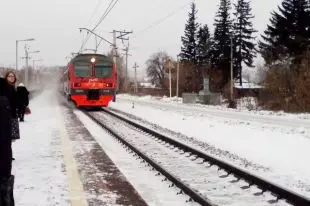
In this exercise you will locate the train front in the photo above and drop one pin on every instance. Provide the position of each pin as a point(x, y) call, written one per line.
point(94, 80)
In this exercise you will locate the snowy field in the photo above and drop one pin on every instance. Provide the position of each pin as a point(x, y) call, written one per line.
point(278, 142)
point(246, 106)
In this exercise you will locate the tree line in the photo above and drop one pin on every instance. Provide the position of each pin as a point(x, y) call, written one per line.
point(287, 37)
point(284, 46)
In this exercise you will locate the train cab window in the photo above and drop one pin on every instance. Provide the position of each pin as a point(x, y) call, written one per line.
point(82, 70)
point(103, 70)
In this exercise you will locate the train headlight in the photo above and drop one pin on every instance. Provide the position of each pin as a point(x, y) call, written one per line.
point(93, 60)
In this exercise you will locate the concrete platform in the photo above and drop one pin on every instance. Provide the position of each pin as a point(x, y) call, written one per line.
point(102, 182)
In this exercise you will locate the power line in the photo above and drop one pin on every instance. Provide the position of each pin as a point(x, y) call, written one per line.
point(107, 11)
point(104, 15)
point(95, 11)
point(88, 35)
point(159, 21)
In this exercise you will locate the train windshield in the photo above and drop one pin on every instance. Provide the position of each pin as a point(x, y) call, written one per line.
point(103, 70)
point(82, 70)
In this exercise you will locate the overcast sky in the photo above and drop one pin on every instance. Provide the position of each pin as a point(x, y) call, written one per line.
point(54, 24)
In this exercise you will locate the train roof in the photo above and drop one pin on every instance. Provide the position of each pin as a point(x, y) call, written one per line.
point(87, 58)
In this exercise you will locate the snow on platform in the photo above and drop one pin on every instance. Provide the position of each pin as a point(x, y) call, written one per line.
point(102, 181)
point(40, 177)
point(278, 143)
point(59, 163)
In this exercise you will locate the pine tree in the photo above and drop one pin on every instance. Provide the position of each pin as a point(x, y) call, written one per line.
point(308, 29)
point(243, 37)
point(189, 47)
point(221, 41)
point(288, 34)
point(203, 46)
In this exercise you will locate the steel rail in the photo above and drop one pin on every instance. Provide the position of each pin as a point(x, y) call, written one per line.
point(187, 190)
point(277, 190)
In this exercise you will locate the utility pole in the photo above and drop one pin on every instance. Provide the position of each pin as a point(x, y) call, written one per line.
point(170, 79)
point(178, 68)
point(114, 60)
point(126, 50)
point(114, 46)
point(136, 83)
point(121, 36)
point(231, 70)
point(169, 65)
point(26, 69)
point(16, 63)
point(27, 65)
point(126, 63)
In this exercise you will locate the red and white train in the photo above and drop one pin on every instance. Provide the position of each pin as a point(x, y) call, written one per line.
point(90, 80)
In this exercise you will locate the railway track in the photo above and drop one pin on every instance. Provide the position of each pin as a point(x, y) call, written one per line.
point(195, 183)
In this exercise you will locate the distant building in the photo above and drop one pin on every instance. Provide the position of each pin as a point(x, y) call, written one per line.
point(247, 85)
point(247, 89)
point(146, 85)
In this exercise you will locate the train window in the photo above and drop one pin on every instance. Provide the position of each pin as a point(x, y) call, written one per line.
point(82, 70)
point(103, 70)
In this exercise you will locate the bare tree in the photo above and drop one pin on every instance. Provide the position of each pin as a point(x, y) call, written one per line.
point(156, 68)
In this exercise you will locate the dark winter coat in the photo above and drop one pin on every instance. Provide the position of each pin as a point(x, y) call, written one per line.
point(9, 91)
point(22, 96)
point(5, 130)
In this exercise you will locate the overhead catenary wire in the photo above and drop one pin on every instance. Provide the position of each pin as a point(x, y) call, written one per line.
point(159, 21)
point(106, 12)
point(98, 5)
point(103, 16)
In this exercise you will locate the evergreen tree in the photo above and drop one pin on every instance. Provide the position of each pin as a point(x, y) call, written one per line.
point(308, 29)
point(288, 34)
point(243, 37)
point(221, 41)
point(189, 47)
point(203, 46)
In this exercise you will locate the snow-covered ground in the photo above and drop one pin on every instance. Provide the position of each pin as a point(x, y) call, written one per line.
point(194, 174)
point(40, 177)
point(151, 187)
point(279, 143)
point(45, 172)
point(246, 106)
point(269, 140)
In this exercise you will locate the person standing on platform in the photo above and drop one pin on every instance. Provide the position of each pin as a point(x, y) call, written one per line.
point(22, 100)
point(6, 178)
